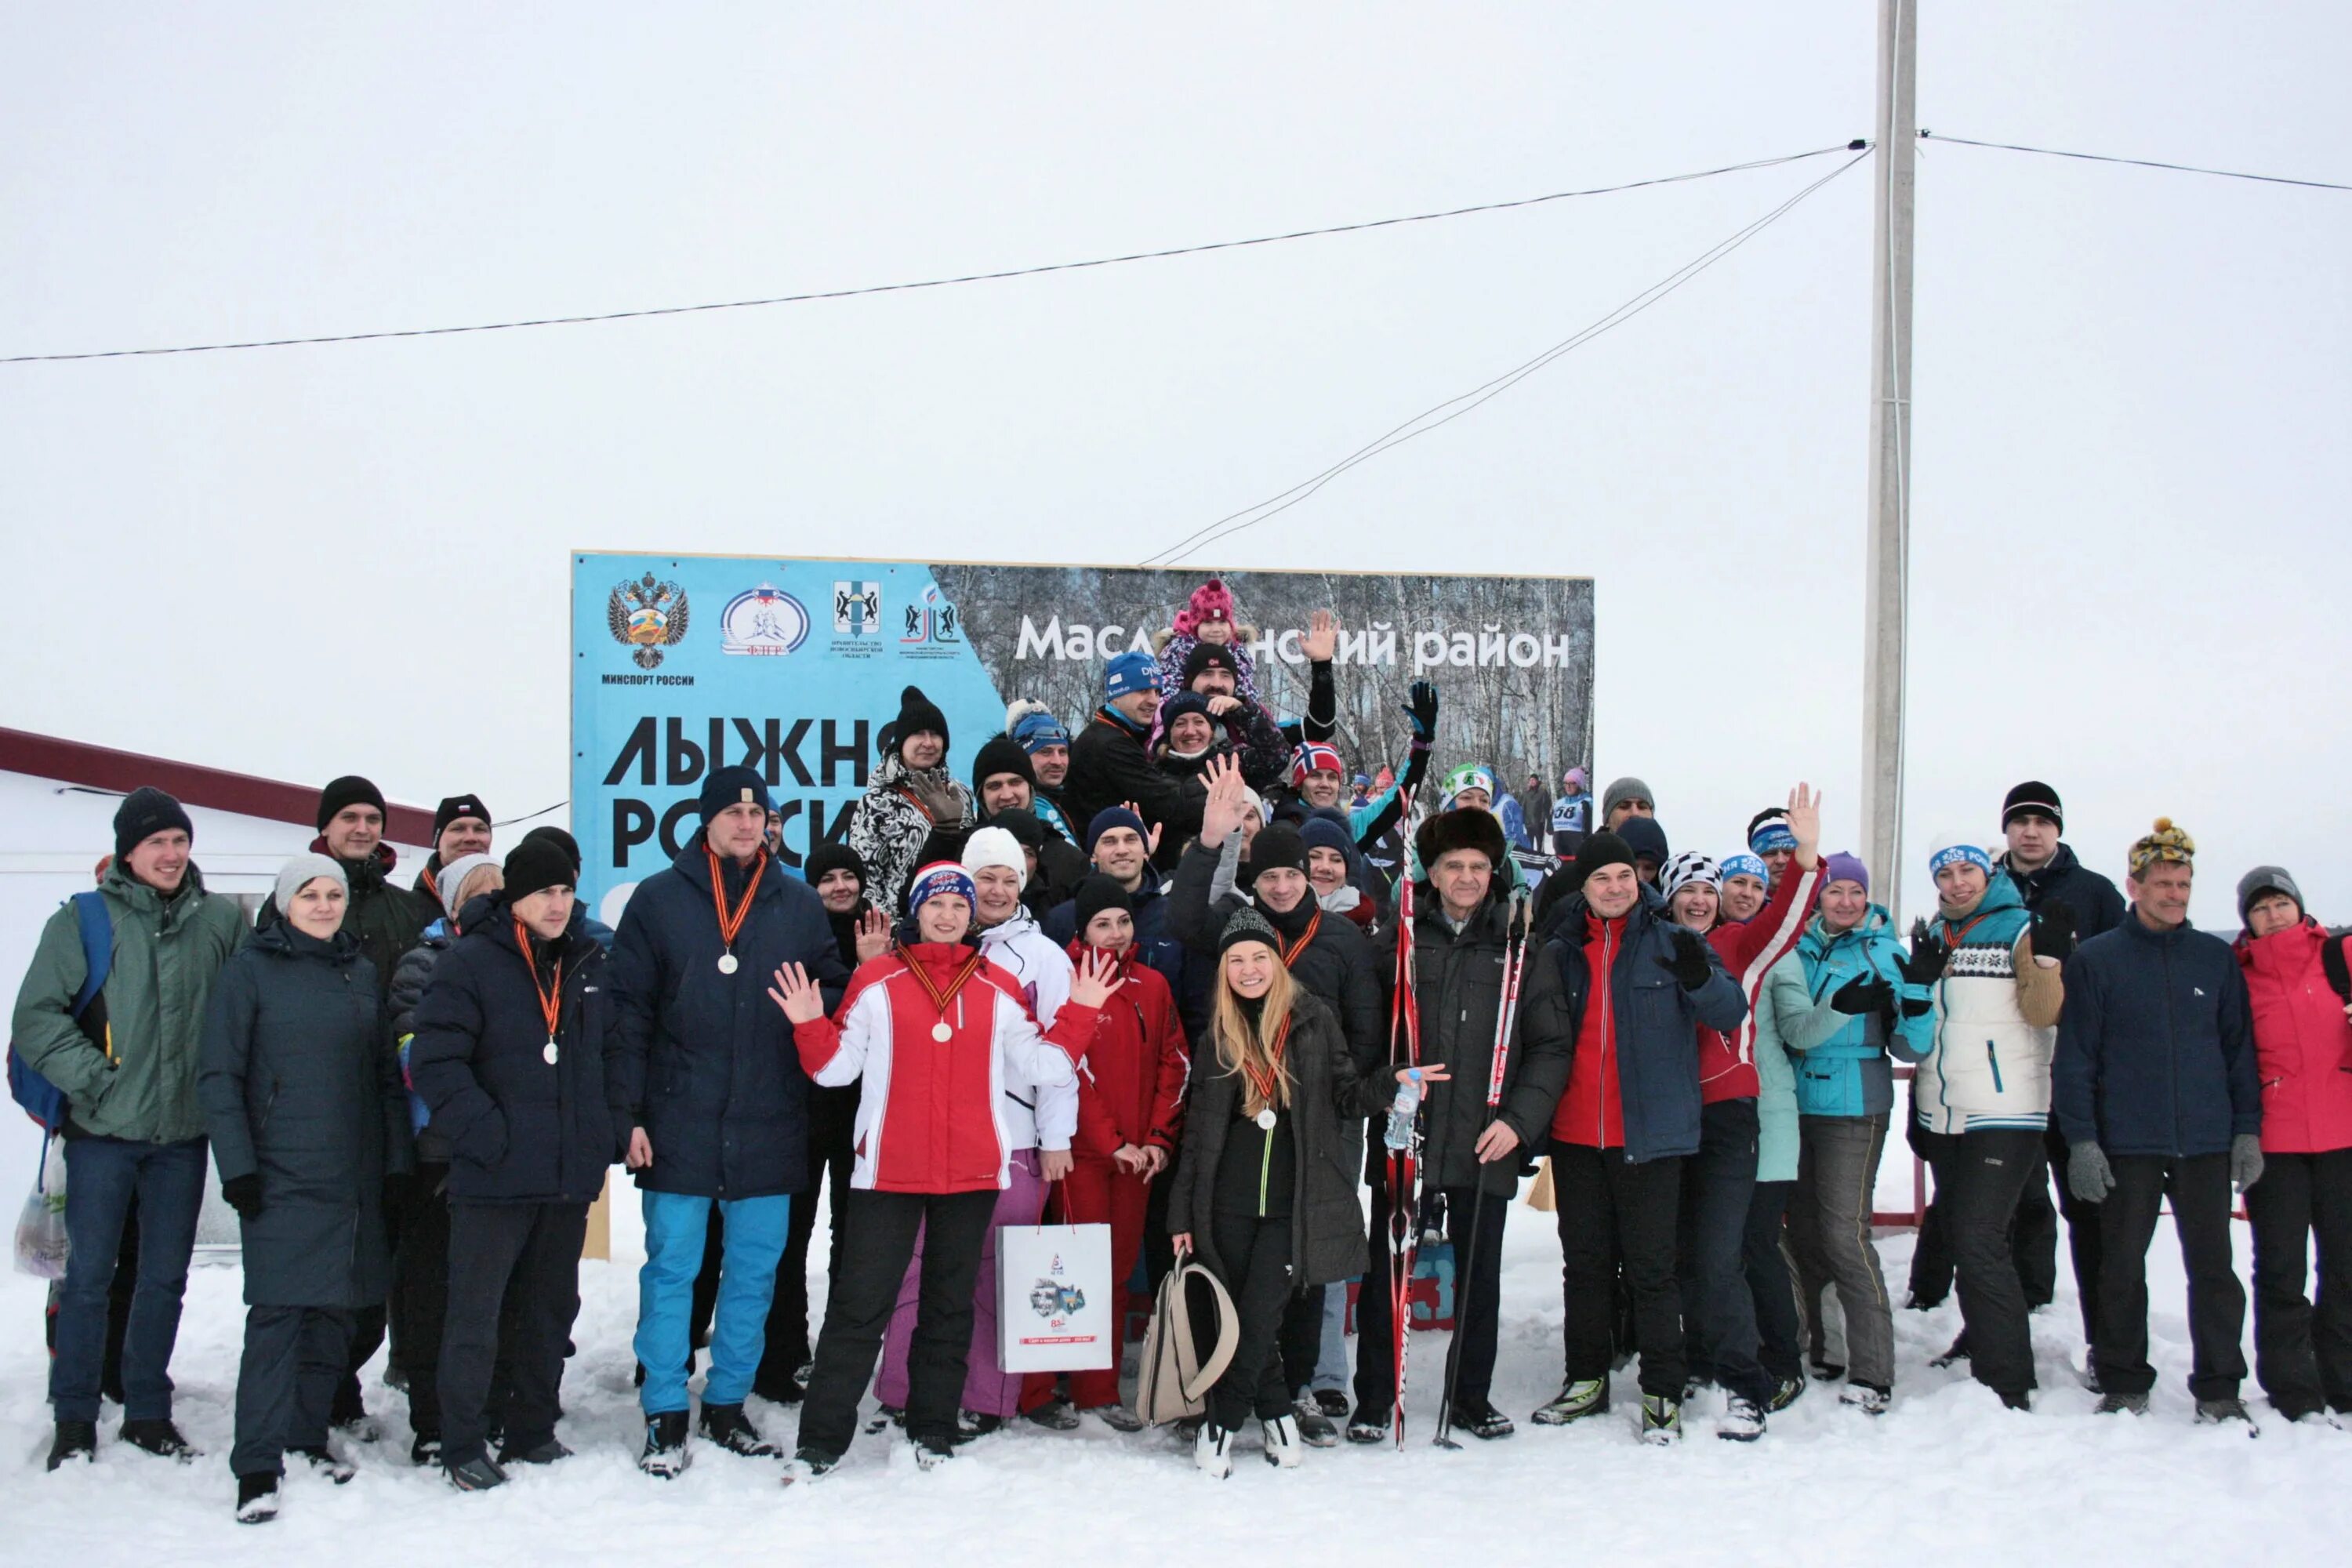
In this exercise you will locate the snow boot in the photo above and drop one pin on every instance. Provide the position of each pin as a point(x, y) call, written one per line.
point(2121, 1404)
point(426, 1449)
point(1789, 1391)
point(972, 1425)
point(477, 1475)
point(1827, 1371)
point(76, 1440)
point(546, 1453)
point(160, 1438)
point(1283, 1448)
point(930, 1453)
point(884, 1416)
point(665, 1454)
point(1369, 1425)
point(1481, 1420)
point(1331, 1403)
point(811, 1464)
point(727, 1427)
point(1212, 1452)
point(1055, 1415)
point(256, 1499)
point(1120, 1418)
point(2221, 1411)
point(325, 1463)
point(1662, 1419)
point(2017, 1399)
point(1868, 1398)
point(1742, 1421)
point(1579, 1397)
point(1957, 1354)
point(1314, 1428)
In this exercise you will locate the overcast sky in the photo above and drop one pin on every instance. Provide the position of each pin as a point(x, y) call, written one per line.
point(2132, 476)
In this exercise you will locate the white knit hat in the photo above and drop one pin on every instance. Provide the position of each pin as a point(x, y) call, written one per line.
point(995, 846)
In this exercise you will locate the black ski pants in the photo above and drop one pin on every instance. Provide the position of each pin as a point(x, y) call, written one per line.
point(1608, 1207)
point(2199, 1187)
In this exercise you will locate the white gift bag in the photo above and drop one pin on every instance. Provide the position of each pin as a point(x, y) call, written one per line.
point(1054, 1299)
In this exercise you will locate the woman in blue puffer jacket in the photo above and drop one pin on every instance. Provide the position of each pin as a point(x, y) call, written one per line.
point(1841, 1009)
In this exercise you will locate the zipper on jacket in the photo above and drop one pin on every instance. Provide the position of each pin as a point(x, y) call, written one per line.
point(1608, 1032)
point(1264, 1167)
point(1995, 1061)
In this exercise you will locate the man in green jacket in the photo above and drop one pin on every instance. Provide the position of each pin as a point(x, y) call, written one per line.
point(127, 1067)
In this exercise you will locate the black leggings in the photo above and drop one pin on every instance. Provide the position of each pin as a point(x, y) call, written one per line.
point(1256, 1256)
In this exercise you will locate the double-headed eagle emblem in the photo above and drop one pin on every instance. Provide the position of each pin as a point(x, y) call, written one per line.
point(648, 616)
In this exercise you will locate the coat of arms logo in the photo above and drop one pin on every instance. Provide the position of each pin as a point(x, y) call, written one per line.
point(647, 615)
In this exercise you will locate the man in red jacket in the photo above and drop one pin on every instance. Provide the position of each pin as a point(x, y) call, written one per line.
point(2300, 988)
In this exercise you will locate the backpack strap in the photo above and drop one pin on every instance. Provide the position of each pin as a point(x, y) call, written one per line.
point(97, 947)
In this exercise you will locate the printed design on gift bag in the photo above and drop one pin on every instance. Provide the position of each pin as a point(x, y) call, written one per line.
point(1055, 1298)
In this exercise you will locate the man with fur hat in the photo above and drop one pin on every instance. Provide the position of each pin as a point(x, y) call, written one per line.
point(912, 795)
point(1461, 947)
point(2156, 1090)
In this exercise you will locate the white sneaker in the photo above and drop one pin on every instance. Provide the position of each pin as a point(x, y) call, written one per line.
point(1212, 1450)
point(1282, 1447)
point(1862, 1398)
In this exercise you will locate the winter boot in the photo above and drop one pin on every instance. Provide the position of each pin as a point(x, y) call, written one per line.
point(1579, 1397)
point(1331, 1403)
point(2017, 1399)
point(1283, 1448)
point(1868, 1398)
point(970, 1424)
point(426, 1449)
point(546, 1453)
point(1369, 1425)
point(1481, 1419)
point(1827, 1371)
point(1742, 1421)
point(727, 1427)
point(1662, 1419)
point(76, 1440)
point(323, 1461)
point(1212, 1452)
point(1120, 1418)
point(1314, 1428)
point(256, 1499)
point(1789, 1391)
point(665, 1452)
point(1055, 1415)
point(160, 1438)
point(811, 1464)
point(885, 1415)
point(930, 1453)
point(1957, 1354)
point(477, 1475)
point(2221, 1412)
point(2121, 1404)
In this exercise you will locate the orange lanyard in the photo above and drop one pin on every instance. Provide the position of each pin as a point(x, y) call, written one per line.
point(941, 999)
point(551, 1000)
point(731, 922)
point(1265, 1087)
point(1290, 951)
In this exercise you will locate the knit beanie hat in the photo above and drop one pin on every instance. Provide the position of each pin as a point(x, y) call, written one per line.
point(723, 787)
point(1184, 703)
point(456, 806)
point(1000, 755)
point(1768, 830)
point(1277, 847)
point(451, 878)
point(1623, 790)
point(300, 870)
point(1023, 824)
point(1574, 778)
point(827, 856)
point(1952, 849)
point(1688, 867)
point(1469, 775)
point(1034, 726)
point(349, 790)
point(1095, 894)
point(534, 866)
point(2163, 842)
point(2034, 796)
point(1744, 865)
point(995, 846)
point(1645, 838)
point(1210, 602)
point(939, 877)
point(1247, 925)
point(1315, 757)
point(1602, 849)
point(917, 713)
point(145, 811)
point(1130, 671)
point(560, 839)
point(1845, 867)
point(1112, 817)
point(2267, 880)
point(1210, 655)
point(1317, 832)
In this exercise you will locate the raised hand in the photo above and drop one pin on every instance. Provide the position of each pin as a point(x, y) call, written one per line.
point(1688, 965)
point(1421, 707)
point(1861, 995)
point(873, 935)
point(1928, 956)
point(1097, 978)
point(1321, 641)
point(797, 994)
point(2054, 930)
point(1151, 829)
point(1805, 822)
point(1228, 800)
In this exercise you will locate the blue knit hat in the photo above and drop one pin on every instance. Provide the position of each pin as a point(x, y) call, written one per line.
point(939, 877)
point(1112, 817)
point(1130, 671)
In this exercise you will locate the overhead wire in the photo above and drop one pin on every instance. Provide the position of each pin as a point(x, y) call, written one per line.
point(1425, 422)
point(1000, 275)
point(2135, 162)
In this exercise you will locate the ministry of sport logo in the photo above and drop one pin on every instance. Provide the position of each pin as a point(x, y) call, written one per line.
point(857, 608)
point(764, 620)
point(646, 616)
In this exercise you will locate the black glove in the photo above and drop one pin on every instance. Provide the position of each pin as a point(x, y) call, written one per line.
point(1421, 709)
point(2338, 972)
point(1688, 965)
point(1863, 995)
point(2053, 931)
point(243, 1193)
point(1928, 956)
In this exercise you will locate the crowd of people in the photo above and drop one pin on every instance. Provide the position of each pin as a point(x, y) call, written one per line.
point(1166, 970)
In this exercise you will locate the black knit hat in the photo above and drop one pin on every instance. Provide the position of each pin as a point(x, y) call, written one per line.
point(917, 713)
point(1000, 755)
point(145, 811)
point(1465, 828)
point(560, 839)
point(349, 790)
point(1277, 847)
point(456, 806)
point(1644, 839)
point(1176, 706)
point(1599, 850)
point(2034, 796)
point(1207, 655)
point(723, 787)
point(535, 864)
point(1023, 824)
point(830, 856)
point(1096, 893)
point(1247, 925)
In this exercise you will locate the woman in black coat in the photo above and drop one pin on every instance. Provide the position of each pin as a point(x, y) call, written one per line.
point(509, 1054)
point(1266, 1189)
point(303, 1103)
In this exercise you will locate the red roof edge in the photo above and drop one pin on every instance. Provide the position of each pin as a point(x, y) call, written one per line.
point(272, 800)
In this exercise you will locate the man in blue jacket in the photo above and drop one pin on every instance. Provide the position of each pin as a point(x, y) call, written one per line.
point(705, 1066)
point(2156, 1090)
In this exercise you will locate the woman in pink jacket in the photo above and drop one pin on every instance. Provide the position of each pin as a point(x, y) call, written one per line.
point(2297, 982)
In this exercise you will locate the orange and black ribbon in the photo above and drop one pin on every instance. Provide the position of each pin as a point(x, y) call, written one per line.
point(943, 999)
point(1264, 1086)
point(1291, 949)
point(731, 921)
point(551, 998)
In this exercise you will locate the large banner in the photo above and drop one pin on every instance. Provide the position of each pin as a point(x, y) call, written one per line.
point(682, 663)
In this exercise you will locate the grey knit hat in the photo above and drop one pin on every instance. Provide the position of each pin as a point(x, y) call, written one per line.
point(1623, 790)
point(1249, 925)
point(303, 870)
point(2266, 880)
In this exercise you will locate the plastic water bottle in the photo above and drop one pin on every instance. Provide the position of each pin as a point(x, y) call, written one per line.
point(1402, 1109)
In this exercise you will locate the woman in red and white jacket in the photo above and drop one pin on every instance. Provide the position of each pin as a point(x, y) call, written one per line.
point(1130, 1120)
point(931, 1032)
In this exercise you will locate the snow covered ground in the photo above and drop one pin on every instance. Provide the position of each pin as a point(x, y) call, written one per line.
point(1946, 1476)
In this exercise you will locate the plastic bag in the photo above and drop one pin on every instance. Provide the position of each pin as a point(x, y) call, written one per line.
point(41, 1225)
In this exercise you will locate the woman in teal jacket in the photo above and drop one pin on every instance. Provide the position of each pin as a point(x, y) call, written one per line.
point(1840, 1010)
